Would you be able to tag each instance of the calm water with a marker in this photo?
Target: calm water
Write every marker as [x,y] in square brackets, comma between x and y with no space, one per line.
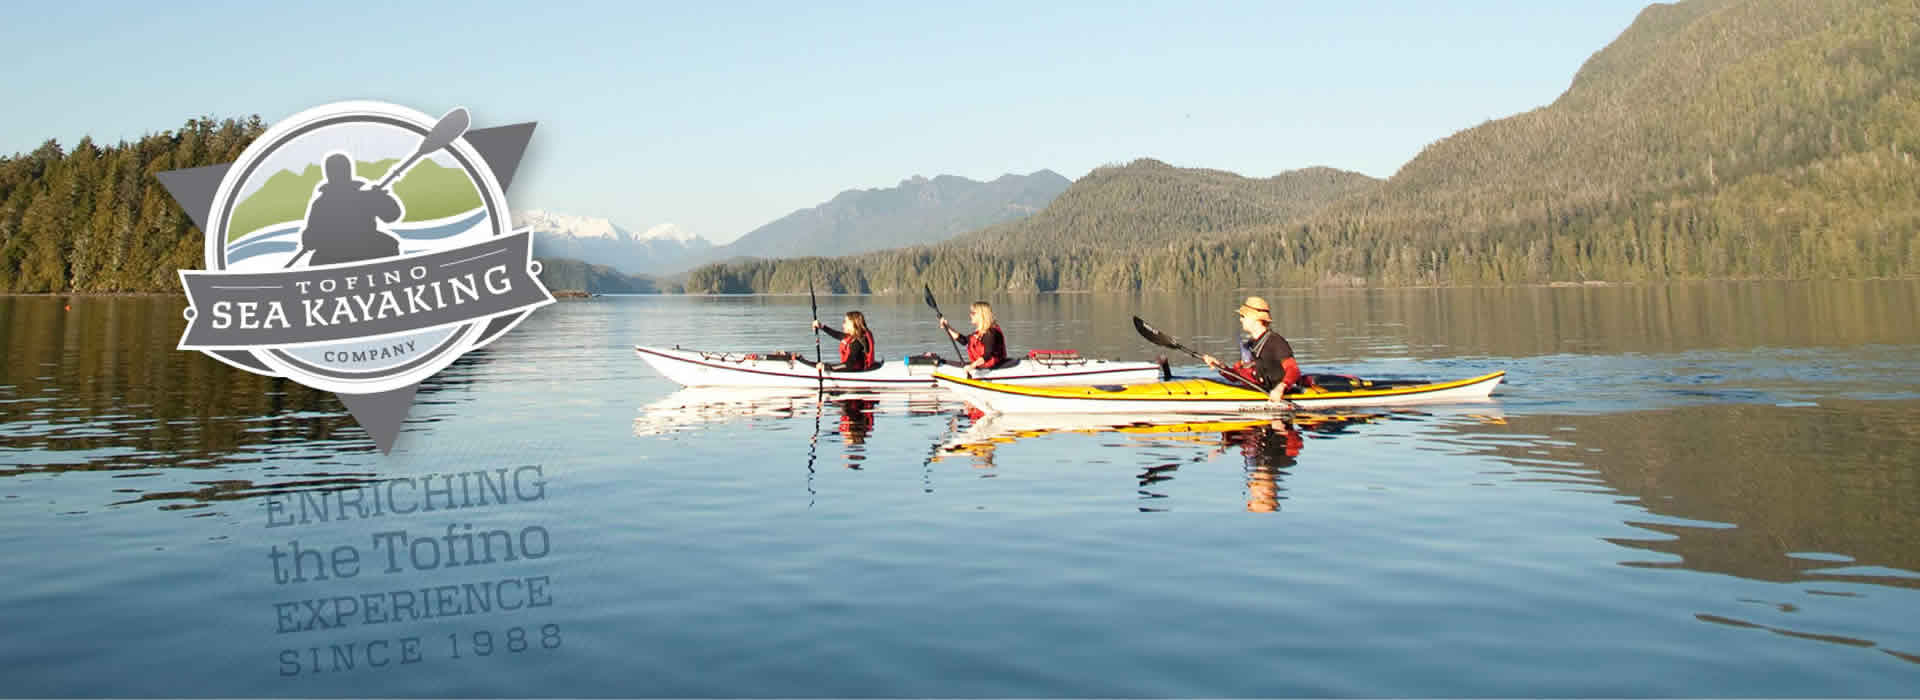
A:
[1707,489]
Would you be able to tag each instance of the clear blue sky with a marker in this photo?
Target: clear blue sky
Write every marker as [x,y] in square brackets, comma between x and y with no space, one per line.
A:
[720,120]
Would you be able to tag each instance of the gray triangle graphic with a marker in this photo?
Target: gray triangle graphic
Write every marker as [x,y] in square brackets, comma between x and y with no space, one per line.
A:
[381,414]
[194,188]
[502,146]
[247,360]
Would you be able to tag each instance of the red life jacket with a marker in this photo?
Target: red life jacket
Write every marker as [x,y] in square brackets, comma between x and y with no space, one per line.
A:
[1288,380]
[977,348]
[863,362]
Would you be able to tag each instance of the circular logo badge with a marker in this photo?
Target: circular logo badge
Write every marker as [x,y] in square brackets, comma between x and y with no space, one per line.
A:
[341,220]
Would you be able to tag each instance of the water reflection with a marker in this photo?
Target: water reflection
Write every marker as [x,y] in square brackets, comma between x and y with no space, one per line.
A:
[1806,494]
[1768,493]
[1268,446]
[1268,451]
[95,384]
[696,409]
[856,421]
[1339,325]
[1717,531]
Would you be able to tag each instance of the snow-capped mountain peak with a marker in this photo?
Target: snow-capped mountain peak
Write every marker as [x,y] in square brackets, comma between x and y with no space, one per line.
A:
[670,232]
[662,249]
[549,223]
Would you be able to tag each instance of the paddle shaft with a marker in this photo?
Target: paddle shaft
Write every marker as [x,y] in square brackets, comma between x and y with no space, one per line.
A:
[819,362]
[297,255]
[936,314]
[1153,335]
[450,127]
[388,180]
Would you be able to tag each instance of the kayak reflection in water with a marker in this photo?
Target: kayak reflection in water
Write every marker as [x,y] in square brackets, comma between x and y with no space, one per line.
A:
[856,422]
[1268,450]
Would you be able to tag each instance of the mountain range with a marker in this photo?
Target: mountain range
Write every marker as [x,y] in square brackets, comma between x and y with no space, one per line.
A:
[658,250]
[1712,139]
[919,210]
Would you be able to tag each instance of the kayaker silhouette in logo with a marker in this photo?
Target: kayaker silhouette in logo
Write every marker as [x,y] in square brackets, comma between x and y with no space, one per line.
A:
[343,221]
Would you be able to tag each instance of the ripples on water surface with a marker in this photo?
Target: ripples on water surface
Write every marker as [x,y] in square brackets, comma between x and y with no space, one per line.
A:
[1682,490]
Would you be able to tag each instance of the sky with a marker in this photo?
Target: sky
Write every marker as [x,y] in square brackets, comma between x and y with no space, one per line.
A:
[721,119]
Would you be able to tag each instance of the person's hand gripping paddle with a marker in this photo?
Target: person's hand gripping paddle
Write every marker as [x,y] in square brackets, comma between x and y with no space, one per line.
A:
[1153,335]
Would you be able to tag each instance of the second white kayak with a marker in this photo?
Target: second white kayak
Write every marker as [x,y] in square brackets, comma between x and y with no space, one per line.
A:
[704,368]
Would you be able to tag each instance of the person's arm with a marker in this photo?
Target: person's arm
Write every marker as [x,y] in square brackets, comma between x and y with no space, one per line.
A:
[1292,370]
[389,206]
[831,333]
[951,333]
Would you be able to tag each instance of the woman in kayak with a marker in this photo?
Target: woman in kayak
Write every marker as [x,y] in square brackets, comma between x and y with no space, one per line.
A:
[856,343]
[987,347]
[1266,359]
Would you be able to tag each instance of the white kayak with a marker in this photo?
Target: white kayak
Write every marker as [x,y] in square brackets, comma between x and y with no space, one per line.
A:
[1205,396]
[779,369]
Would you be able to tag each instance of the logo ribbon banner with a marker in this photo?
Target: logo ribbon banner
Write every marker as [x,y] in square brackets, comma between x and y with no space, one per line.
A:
[233,310]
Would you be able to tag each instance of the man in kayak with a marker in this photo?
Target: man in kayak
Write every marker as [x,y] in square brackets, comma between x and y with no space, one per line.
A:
[856,343]
[987,347]
[1266,359]
[343,222]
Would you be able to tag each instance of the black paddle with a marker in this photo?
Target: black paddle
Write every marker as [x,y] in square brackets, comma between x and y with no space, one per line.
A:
[818,366]
[1153,335]
[450,127]
[936,313]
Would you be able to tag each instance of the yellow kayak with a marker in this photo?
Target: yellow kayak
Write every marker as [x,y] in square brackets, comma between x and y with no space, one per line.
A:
[1203,396]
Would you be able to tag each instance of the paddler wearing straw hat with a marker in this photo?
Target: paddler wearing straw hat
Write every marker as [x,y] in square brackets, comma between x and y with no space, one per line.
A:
[1265,358]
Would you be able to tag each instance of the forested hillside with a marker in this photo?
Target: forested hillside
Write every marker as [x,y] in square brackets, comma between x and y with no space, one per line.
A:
[1149,203]
[95,219]
[1144,204]
[1712,139]
[917,211]
[569,275]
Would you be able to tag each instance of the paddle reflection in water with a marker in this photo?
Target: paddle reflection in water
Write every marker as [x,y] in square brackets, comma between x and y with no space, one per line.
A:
[700,413]
[1269,446]
[700,408]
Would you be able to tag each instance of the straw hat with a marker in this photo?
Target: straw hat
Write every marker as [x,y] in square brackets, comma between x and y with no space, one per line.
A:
[1256,307]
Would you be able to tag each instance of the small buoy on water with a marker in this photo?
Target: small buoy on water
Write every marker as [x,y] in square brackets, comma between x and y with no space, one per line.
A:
[69,307]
